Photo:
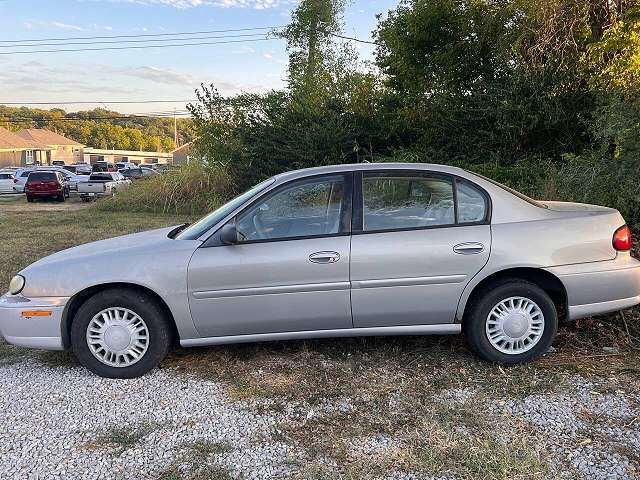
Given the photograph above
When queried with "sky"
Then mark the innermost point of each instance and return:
(150, 73)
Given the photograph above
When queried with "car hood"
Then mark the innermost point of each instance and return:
(133, 244)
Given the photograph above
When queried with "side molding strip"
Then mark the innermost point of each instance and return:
(439, 329)
(408, 281)
(243, 292)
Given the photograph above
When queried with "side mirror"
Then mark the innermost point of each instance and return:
(229, 234)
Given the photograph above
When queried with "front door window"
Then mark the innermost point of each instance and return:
(314, 207)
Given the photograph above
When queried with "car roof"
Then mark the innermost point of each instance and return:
(433, 167)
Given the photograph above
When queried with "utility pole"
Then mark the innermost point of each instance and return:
(175, 128)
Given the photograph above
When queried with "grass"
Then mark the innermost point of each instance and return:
(192, 189)
(194, 463)
(126, 437)
(32, 231)
(341, 391)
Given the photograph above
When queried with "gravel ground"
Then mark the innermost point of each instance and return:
(55, 423)
(62, 422)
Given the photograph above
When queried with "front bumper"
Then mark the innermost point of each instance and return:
(600, 287)
(41, 330)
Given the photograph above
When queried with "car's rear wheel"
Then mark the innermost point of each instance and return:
(511, 322)
(120, 333)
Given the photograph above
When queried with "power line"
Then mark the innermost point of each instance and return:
(137, 46)
(353, 39)
(202, 32)
(158, 40)
(73, 119)
(115, 102)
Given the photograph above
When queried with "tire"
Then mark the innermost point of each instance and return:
(156, 328)
(477, 327)
(30, 199)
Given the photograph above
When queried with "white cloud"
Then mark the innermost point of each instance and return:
(65, 26)
(153, 74)
(52, 24)
(268, 56)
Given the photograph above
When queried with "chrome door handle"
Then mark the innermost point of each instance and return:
(324, 257)
(469, 248)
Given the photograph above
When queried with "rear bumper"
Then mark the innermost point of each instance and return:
(600, 287)
(35, 331)
(50, 193)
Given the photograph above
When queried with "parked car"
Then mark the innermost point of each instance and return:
(349, 250)
(149, 172)
(71, 178)
(78, 169)
(102, 184)
(21, 175)
(131, 173)
(125, 165)
(7, 182)
(137, 173)
(102, 166)
(46, 184)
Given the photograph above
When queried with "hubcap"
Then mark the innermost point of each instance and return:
(515, 325)
(118, 337)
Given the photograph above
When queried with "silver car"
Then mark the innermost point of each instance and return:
(369, 249)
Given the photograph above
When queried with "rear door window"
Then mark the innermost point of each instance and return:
(397, 201)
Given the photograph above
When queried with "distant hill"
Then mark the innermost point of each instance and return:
(100, 128)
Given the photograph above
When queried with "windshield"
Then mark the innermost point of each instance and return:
(204, 224)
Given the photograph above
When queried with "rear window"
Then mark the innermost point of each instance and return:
(25, 174)
(521, 196)
(100, 177)
(42, 177)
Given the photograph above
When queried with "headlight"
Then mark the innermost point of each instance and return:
(16, 285)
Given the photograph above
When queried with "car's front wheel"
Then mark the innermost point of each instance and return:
(120, 333)
(511, 322)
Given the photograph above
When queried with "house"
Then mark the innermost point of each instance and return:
(93, 155)
(16, 151)
(182, 155)
(62, 149)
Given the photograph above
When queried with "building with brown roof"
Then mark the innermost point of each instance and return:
(63, 150)
(16, 151)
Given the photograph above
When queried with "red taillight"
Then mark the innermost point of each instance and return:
(622, 239)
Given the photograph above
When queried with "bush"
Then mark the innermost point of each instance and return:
(192, 189)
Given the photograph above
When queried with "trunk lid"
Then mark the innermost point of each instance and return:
(573, 207)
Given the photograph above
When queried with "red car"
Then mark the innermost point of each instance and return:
(46, 185)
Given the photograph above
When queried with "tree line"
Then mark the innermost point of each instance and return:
(100, 128)
(540, 94)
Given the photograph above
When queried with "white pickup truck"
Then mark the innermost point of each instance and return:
(102, 184)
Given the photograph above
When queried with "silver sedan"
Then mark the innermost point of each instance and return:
(350, 250)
